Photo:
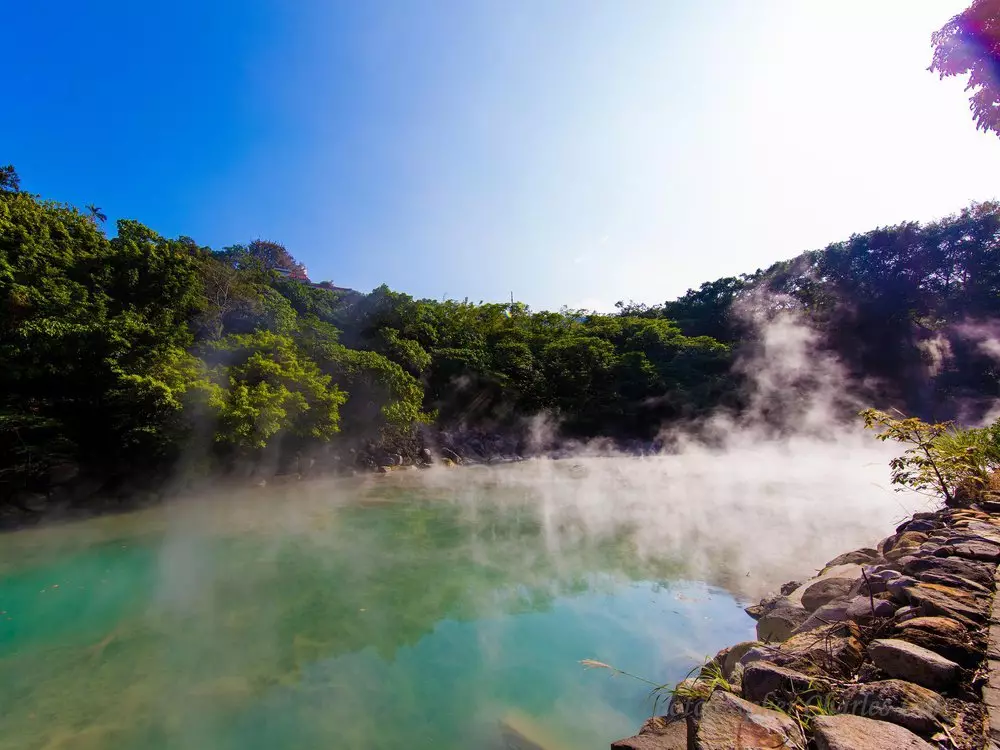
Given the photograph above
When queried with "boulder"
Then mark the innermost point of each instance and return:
(825, 590)
(864, 609)
(946, 579)
(728, 721)
(971, 549)
(847, 732)
(829, 650)
(763, 681)
(959, 648)
(859, 557)
(789, 587)
(944, 601)
(733, 656)
(835, 611)
(980, 572)
(907, 661)
(942, 625)
(658, 733)
(778, 624)
(918, 709)
(919, 524)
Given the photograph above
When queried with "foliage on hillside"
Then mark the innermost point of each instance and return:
(128, 355)
(137, 354)
(911, 310)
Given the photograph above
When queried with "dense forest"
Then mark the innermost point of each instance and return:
(131, 358)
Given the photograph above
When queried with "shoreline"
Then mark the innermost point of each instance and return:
(896, 645)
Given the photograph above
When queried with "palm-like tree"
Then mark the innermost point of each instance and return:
(96, 214)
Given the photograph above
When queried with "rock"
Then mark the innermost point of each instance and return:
(33, 502)
(835, 611)
(787, 588)
(728, 722)
(918, 709)
(833, 650)
(864, 609)
(935, 600)
(940, 625)
(944, 636)
(859, 556)
(658, 733)
(907, 661)
(906, 613)
(919, 524)
(899, 588)
(824, 591)
(946, 579)
(778, 624)
(981, 573)
(971, 549)
(847, 732)
(734, 655)
(757, 653)
(451, 455)
(847, 570)
(763, 680)
(905, 539)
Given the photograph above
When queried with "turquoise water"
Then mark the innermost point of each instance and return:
(369, 614)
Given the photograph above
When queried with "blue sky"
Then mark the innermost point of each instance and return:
(571, 151)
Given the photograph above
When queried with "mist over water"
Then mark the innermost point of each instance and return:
(434, 608)
(417, 608)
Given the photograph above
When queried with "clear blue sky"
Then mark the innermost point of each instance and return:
(572, 152)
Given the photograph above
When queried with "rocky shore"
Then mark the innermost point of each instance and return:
(895, 646)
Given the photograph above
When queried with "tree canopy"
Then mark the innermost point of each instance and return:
(129, 358)
(969, 44)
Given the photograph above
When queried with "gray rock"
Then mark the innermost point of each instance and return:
(864, 609)
(825, 615)
(757, 653)
(859, 556)
(906, 661)
(733, 656)
(779, 624)
(918, 709)
(847, 732)
(972, 549)
(724, 717)
(763, 680)
(824, 591)
(980, 572)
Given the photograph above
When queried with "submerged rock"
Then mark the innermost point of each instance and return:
(847, 732)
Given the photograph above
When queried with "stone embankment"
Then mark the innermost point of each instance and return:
(897, 647)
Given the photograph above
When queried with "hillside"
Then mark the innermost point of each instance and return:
(135, 358)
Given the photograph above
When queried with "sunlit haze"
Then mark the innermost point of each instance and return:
(570, 153)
